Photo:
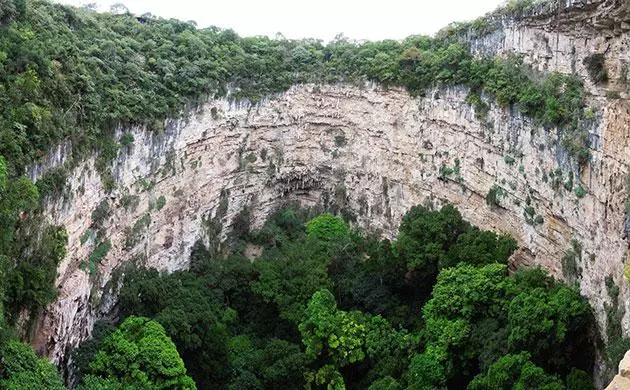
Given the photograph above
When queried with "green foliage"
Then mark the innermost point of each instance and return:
(30, 283)
(135, 233)
(547, 322)
(386, 383)
(53, 182)
(140, 354)
(568, 185)
(480, 247)
(191, 307)
(91, 382)
(426, 370)
(325, 306)
(326, 227)
(100, 214)
(73, 74)
(425, 236)
(494, 195)
(130, 202)
(579, 380)
(127, 139)
(346, 337)
(580, 192)
(292, 278)
(277, 364)
(97, 255)
(617, 344)
(481, 107)
(516, 372)
(160, 203)
(341, 140)
(571, 260)
(82, 356)
(23, 370)
(466, 318)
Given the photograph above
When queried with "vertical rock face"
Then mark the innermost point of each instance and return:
(374, 152)
(621, 381)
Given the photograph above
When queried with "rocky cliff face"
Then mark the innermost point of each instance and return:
(621, 381)
(373, 151)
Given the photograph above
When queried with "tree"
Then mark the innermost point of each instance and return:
(344, 338)
(426, 235)
(326, 227)
(515, 372)
(140, 354)
(118, 9)
(192, 314)
(277, 364)
(549, 324)
(480, 247)
(427, 370)
(291, 279)
(21, 369)
(91, 382)
(340, 334)
(579, 380)
(386, 383)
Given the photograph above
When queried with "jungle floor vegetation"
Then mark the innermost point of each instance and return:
(326, 306)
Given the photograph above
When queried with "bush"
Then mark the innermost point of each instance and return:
(161, 202)
(580, 192)
(127, 139)
(495, 192)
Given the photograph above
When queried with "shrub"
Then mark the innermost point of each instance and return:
(97, 255)
(341, 140)
(160, 203)
(495, 192)
(127, 139)
(130, 202)
(570, 262)
(580, 192)
(100, 214)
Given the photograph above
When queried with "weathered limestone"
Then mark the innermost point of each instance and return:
(376, 152)
(621, 381)
(372, 151)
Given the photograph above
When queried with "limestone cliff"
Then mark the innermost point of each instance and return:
(621, 381)
(371, 150)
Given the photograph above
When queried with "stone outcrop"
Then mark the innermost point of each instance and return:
(373, 151)
(621, 381)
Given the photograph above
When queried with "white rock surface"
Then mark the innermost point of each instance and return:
(390, 160)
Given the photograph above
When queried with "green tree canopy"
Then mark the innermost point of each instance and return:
(141, 355)
(515, 372)
(21, 369)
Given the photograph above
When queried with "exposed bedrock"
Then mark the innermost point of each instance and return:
(371, 151)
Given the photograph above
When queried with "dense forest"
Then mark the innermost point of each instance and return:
(326, 306)
(322, 299)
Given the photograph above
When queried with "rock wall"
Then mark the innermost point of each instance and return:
(376, 152)
(621, 381)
